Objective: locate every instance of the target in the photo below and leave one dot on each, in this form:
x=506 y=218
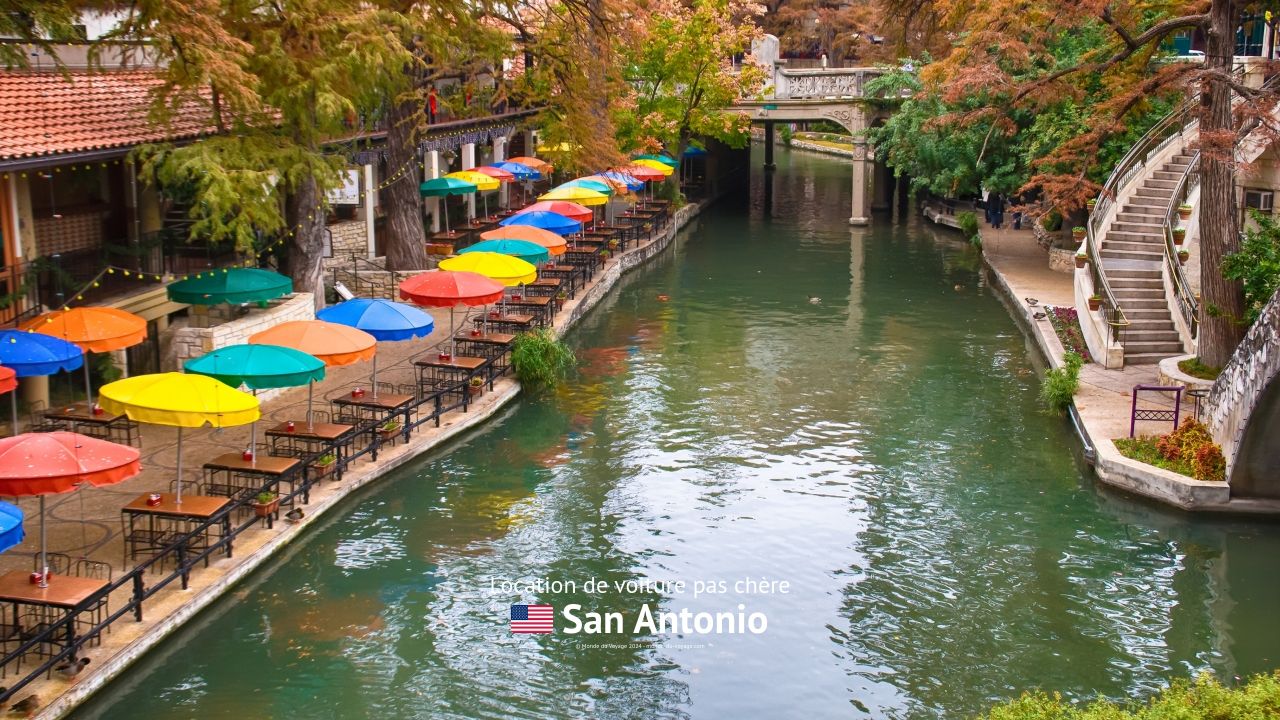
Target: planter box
x=266 y=509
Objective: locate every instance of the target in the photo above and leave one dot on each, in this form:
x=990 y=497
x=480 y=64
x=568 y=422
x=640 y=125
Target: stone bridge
x=836 y=94
x=1243 y=409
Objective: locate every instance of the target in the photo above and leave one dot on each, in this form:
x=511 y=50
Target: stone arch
x=1256 y=471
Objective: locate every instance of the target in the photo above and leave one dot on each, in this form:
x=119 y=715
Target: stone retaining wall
x=349 y=238
x=1237 y=390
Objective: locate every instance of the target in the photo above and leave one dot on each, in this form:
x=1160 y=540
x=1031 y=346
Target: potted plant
x=604 y=254
x=265 y=504
x=1077 y=232
x=1179 y=234
x=324 y=464
x=1095 y=302
x=613 y=244
x=1184 y=211
x=1182 y=256
x=388 y=429
x=562 y=296
x=1091 y=203
x=1081 y=259
x=476 y=386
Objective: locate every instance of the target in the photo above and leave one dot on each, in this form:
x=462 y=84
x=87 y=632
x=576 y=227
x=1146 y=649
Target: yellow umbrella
x=580 y=195
x=663 y=168
x=179 y=399
x=509 y=271
x=480 y=180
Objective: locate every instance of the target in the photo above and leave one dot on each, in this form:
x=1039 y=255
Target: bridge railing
x=821 y=83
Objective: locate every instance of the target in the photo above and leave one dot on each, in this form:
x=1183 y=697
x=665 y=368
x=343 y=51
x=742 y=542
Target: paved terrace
x=87 y=523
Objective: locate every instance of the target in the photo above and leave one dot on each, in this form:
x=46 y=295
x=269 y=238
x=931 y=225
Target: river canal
x=880 y=450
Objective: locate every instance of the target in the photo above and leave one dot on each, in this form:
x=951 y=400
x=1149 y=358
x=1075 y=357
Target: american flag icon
x=532 y=619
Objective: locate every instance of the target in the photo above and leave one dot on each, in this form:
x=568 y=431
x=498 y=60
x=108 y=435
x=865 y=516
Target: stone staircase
x=1132 y=253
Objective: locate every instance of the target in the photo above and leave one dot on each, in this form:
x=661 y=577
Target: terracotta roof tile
x=48 y=113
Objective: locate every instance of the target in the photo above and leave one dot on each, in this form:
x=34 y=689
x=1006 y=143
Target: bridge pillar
x=769 y=165
x=861 y=214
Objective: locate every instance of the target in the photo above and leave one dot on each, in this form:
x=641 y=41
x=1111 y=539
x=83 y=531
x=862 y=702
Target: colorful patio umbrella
x=58 y=462
x=95 y=329
x=258 y=367
x=554 y=244
x=181 y=400
x=8 y=384
x=581 y=195
x=439 y=288
x=642 y=172
x=553 y=222
x=632 y=182
x=11 y=530
x=541 y=166
x=661 y=167
x=617 y=187
x=383 y=319
x=230 y=285
x=497 y=173
x=330 y=342
x=600 y=186
x=30 y=354
x=571 y=210
x=694 y=151
x=505 y=269
x=443 y=187
x=529 y=252
x=519 y=170
x=664 y=159
x=483 y=183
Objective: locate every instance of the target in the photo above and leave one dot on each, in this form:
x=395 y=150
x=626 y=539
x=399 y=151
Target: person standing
x=431 y=105
x=997 y=210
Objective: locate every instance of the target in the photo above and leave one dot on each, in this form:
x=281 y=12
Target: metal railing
x=1188 y=306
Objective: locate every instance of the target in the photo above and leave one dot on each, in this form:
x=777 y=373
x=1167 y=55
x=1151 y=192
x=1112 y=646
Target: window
x=1260 y=200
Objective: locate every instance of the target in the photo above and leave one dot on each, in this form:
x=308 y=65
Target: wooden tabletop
x=530 y=300
x=201 y=507
x=493 y=338
x=317 y=431
x=559 y=269
x=66 y=591
x=80 y=412
x=457 y=362
x=447 y=236
x=384 y=401
x=513 y=318
x=546 y=282
x=262 y=464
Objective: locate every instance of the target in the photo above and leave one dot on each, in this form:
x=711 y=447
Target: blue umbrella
x=693 y=151
x=522 y=172
x=532 y=253
x=553 y=222
x=11 y=532
x=31 y=354
x=631 y=182
x=383 y=319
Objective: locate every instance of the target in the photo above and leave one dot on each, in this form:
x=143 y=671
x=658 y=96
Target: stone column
x=370 y=200
x=431 y=171
x=500 y=154
x=468 y=162
x=861 y=187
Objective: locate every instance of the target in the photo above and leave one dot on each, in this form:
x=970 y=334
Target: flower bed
x=1066 y=323
x=1189 y=450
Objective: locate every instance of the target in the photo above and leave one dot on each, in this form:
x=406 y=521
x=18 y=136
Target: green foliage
x=265 y=497
x=1060 y=384
x=968 y=224
x=1197 y=369
x=787 y=135
x=1203 y=699
x=1257 y=264
x=1188 y=450
x=540 y=359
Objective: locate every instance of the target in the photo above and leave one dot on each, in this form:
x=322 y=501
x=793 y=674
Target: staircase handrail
x=1188 y=306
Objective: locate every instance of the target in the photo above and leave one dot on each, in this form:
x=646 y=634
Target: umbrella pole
x=44 y=560
x=179 y=500
x=253 y=439
x=453 y=341
x=88 y=389
x=311 y=388
x=444 y=201
x=374 y=380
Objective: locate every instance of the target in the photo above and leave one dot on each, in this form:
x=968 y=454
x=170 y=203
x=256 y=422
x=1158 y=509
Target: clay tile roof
x=49 y=113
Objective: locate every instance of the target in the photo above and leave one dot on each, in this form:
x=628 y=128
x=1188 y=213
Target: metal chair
x=58 y=563
x=100 y=609
x=38 y=421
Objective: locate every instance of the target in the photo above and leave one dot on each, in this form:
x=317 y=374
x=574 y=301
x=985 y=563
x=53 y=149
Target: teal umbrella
x=660 y=158
x=531 y=253
x=444 y=186
x=259 y=367
x=588 y=184
x=230 y=285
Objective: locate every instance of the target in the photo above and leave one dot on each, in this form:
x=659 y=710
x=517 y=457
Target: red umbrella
x=58 y=462
x=640 y=172
x=9 y=383
x=496 y=173
x=443 y=288
x=571 y=210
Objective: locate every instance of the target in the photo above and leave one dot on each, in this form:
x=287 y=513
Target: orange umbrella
x=333 y=343
x=57 y=462
x=94 y=329
x=554 y=244
x=541 y=166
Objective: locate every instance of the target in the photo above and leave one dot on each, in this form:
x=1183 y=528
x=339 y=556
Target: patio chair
x=59 y=563
x=95 y=612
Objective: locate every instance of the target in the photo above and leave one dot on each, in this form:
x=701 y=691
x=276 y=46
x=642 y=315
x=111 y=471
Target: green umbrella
x=258 y=367
x=442 y=186
x=670 y=162
x=230 y=285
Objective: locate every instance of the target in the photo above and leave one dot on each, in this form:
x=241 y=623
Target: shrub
x=1197 y=369
x=1188 y=450
x=784 y=131
x=540 y=359
x=1257 y=264
x=1060 y=384
x=1203 y=699
x=968 y=223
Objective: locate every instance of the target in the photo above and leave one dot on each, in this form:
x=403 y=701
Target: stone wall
x=349 y=238
x=191 y=342
x=363 y=280
x=1238 y=389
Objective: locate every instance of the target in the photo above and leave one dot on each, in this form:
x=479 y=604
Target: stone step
x=1145 y=324
x=1152 y=338
x=1138 y=314
x=1146 y=205
x=1128 y=304
x=1134 y=274
x=1166 y=175
x=1135 y=358
x=1140 y=218
x=1140 y=228
x=1166 y=347
x=1138 y=237
x=1155 y=182
x=1152 y=256
x=1129 y=245
x=1129 y=283
x=1147 y=192
x=1137 y=293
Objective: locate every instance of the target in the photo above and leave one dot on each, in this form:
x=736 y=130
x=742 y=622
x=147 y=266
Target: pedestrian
x=997 y=210
x=986 y=204
x=431 y=105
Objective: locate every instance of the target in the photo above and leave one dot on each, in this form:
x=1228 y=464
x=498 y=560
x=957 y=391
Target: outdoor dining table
x=451 y=375
x=564 y=272
x=584 y=257
x=245 y=478
x=79 y=417
x=544 y=286
x=64 y=592
x=168 y=520
x=494 y=346
x=310 y=440
x=511 y=322
x=378 y=410
x=542 y=307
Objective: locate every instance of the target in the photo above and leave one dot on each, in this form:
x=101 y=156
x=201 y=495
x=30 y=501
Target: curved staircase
x=1133 y=249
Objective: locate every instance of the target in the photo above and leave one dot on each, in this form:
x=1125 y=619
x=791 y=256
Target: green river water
x=881 y=451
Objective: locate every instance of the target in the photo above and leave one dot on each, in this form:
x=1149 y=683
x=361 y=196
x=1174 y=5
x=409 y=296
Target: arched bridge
x=838 y=95
x=1243 y=409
